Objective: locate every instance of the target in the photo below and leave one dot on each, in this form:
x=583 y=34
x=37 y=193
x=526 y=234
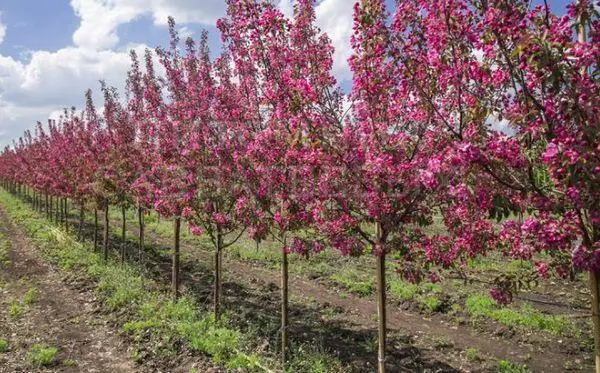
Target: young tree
x=285 y=93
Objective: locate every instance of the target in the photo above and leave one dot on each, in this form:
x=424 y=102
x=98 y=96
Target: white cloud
x=2 y=30
x=186 y=32
x=335 y=18
x=286 y=7
x=52 y=78
x=101 y=18
x=35 y=90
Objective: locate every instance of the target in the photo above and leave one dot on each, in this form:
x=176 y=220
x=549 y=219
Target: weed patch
x=505 y=366
x=484 y=306
x=356 y=282
x=14 y=309
x=30 y=296
x=41 y=355
x=4 y=246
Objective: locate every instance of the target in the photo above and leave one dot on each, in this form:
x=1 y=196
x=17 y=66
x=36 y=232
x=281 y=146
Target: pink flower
x=195 y=230
x=550 y=153
x=427 y=178
x=542 y=269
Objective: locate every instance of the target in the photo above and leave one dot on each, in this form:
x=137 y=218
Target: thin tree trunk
x=218 y=278
x=57 y=212
x=175 y=259
x=381 y=307
x=95 y=229
x=50 y=208
x=105 y=238
x=141 y=235
x=47 y=209
x=284 y=306
x=66 y=215
x=80 y=228
x=123 y=232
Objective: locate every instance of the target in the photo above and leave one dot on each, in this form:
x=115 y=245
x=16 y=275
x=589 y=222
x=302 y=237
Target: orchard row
x=467 y=111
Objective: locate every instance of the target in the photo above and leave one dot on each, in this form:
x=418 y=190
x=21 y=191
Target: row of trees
x=465 y=109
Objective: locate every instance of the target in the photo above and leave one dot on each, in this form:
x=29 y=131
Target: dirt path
x=57 y=316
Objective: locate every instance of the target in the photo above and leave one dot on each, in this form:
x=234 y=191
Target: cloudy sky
x=51 y=51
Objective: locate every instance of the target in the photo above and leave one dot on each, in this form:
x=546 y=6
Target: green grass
x=484 y=306
x=505 y=366
x=4 y=246
x=15 y=309
x=472 y=354
x=41 y=355
x=30 y=296
x=425 y=295
x=166 y=319
x=354 y=281
x=306 y=360
x=402 y=290
x=67 y=362
x=3 y=345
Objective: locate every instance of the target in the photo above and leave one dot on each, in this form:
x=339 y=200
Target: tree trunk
x=141 y=235
x=123 y=232
x=218 y=278
x=105 y=238
x=95 y=229
x=284 y=306
x=49 y=209
x=175 y=259
x=594 y=277
x=80 y=228
x=57 y=212
x=381 y=307
x=66 y=214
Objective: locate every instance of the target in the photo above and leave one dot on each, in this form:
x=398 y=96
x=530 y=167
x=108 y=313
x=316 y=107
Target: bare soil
x=60 y=317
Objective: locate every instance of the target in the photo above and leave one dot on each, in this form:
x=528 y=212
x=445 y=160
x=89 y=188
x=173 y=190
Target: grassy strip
x=4 y=245
x=484 y=306
x=152 y=316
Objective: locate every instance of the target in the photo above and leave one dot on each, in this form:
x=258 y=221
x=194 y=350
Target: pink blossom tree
x=285 y=101
x=524 y=90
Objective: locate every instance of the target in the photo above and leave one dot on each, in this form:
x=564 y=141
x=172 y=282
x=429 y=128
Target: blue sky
x=51 y=51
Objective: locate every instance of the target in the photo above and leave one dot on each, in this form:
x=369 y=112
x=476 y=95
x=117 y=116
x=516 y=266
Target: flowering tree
x=205 y=105
x=286 y=97
x=552 y=106
x=392 y=163
x=135 y=107
x=173 y=172
x=525 y=93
